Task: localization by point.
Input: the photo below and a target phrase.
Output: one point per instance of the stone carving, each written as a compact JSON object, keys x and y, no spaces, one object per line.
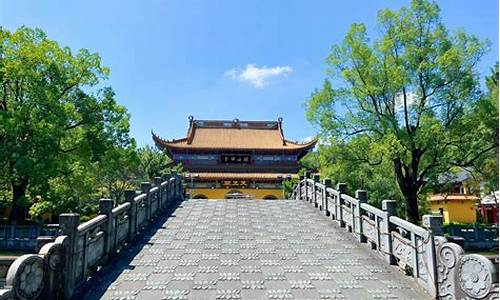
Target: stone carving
{"x":463,"y":276}
{"x":402,"y":251}
{"x":26,"y":276}
{"x":475,"y":275}
{"x":447,"y":257}
{"x":369,"y":229}
{"x":54,"y":253}
{"x":6,"y":295}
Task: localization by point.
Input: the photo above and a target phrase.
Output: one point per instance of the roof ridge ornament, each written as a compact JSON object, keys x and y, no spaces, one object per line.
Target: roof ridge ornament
{"x":190,"y":134}
{"x":236,"y":123}
{"x":280,"y":128}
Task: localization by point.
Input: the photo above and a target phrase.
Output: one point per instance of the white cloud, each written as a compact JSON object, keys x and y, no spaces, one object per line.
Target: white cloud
{"x":258,"y":77}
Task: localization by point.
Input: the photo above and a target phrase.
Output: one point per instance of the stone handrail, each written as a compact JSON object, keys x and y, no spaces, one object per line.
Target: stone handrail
{"x":24,"y":237}
{"x":440,"y":267}
{"x":61,"y":268}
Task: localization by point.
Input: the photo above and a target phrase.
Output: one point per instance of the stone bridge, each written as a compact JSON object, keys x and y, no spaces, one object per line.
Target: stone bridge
{"x":321,"y":244}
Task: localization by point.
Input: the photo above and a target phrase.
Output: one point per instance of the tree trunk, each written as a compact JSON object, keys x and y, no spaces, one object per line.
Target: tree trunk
{"x":18,"y":192}
{"x":412,"y":214}
{"x":405,"y":176}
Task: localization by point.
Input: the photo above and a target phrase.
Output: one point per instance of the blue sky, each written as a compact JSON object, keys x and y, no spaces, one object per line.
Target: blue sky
{"x":229,"y":59}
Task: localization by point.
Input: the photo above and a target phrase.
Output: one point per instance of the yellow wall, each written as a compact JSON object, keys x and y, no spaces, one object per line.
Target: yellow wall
{"x":221,"y":193}
{"x":460,"y":211}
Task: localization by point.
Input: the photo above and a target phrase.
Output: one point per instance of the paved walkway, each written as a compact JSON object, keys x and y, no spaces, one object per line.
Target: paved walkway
{"x":248,"y":249}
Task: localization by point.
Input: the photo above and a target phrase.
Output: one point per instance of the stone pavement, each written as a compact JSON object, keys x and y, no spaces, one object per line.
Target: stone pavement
{"x":251,"y":249}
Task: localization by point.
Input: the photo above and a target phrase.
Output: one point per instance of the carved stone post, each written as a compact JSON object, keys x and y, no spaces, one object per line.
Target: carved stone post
{"x":327,"y":182}
{"x":145,"y":187}
{"x":307,"y":176}
{"x":132,"y":214}
{"x":106,"y":208}
{"x":342,"y":188}
{"x":175,"y":190}
{"x":301,"y":182}
{"x":165,"y":191}
{"x":362,"y":197}
{"x":315,"y":189}
{"x":388,"y":206}
{"x":158,"y":194}
{"x":69,"y":227}
{"x":433,"y":223}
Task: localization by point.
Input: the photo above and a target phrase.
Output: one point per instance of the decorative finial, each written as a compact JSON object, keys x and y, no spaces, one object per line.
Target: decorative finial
{"x":190,"y":118}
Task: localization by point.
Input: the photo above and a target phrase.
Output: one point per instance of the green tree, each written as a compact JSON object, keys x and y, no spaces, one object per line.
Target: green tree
{"x":153,"y":163}
{"x":406,"y":99}
{"x":486,"y":170}
{"x":55,"y":121}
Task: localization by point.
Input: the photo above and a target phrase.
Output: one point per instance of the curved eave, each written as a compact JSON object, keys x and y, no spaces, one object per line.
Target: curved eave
{"x":165,"y":145}
{"x":180,"y":145}
{"x":173,"y":147}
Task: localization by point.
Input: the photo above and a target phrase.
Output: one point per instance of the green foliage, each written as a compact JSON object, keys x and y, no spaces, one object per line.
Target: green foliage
{"x":406,"y":105}
{"x":288,"y":186}
{"x":60,"y":133}
{"x":486,"y":170}
{"x":154,"y":163}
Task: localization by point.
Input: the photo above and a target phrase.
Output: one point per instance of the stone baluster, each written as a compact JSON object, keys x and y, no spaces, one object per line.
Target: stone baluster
{"x":175,"y":185}
{"x":106,"y":208}
{"x":307,"y":176}
{"x":342,"y":189}
{"x":434,"y":224}
{"x":362,"y":197}
{"x":165,"y":191}
{"x":159,"y":194}
{"x":300,"y":184}
{"x":315,"y":189}
{"x":69,"y":227}
{"x":132,"y":214}
{"x":145,"y":187}
{"x":327,"y":182}
{"x":389,"y":207}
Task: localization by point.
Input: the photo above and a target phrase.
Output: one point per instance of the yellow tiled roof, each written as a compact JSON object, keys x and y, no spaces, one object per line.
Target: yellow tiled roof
{"x":244,"y":135}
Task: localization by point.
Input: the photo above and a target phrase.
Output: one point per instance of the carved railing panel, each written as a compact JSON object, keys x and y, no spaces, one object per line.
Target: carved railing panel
{"x":440,"y":267}
{"x":61,"y":268}
{"x":370,"y":231}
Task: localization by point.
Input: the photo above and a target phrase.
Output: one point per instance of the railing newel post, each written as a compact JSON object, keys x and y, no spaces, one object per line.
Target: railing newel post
{"x":69,"y":227}
{"x":159,"y":194}
{"x":327,"y":182}
{"x":300,"y":184}
{"x":342,"y":189}
{"x":315,"y":189}
{"x":132,"y":214}
{"x":362,"y":197}
{"x":389,"y":207}
{"x":307,"y":176}
{"x":434,"y":224}
{"x":145,"y":188}
{"x":106,"y":208}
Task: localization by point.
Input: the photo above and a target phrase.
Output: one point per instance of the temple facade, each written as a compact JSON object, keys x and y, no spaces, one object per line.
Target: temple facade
{"x":233,"y":159}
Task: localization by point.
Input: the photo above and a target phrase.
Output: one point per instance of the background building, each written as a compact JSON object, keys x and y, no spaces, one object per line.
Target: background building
{"x":225,"y":159}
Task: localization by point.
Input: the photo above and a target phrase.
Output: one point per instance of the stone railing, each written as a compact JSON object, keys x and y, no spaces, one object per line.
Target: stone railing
{"x":61,"y":268}
{"x":474,"y":236}
{"x":441,"y":268}
{"x":24,"y":237}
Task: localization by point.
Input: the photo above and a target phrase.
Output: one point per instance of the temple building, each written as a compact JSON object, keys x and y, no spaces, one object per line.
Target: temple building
{"x":233,"y":159}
